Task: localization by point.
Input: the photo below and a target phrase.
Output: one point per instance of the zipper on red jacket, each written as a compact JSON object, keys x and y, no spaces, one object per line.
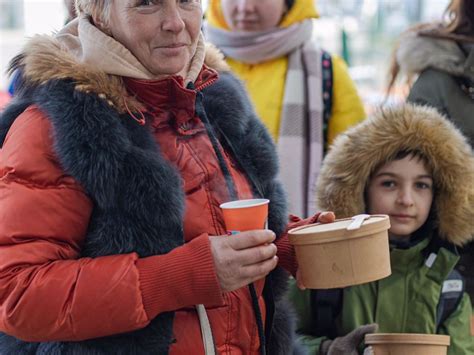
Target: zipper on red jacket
{"x":205,"y":84}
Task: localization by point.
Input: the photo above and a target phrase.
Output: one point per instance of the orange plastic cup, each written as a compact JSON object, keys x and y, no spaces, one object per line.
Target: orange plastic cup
{"x":244,"y":215}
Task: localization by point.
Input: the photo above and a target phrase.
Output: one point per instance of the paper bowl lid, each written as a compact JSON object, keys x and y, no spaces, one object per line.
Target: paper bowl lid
{"x":340,"y":225}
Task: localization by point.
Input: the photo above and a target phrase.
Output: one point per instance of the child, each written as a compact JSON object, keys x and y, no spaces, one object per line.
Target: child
{"x":413,"y":165}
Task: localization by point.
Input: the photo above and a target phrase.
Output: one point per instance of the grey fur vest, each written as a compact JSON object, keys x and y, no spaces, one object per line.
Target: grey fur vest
{"x":119,"y":164}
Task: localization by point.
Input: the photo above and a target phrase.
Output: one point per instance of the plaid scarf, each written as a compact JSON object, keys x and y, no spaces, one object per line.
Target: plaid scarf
{"x":300,"y":143}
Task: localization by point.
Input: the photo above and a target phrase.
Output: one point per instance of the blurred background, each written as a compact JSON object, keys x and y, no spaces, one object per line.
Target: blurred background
{"x":363,"y":32}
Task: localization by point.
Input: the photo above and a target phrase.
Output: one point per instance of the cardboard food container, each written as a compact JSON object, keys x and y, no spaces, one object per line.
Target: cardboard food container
{"x":331,"y":255}
{"x":403,"y":344}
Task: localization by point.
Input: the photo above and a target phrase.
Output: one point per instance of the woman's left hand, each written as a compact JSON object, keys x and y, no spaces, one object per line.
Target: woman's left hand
{"x":324,"y":217}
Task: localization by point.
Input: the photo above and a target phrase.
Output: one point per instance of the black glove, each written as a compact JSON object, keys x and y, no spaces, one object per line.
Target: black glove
{"x":348,"y":344}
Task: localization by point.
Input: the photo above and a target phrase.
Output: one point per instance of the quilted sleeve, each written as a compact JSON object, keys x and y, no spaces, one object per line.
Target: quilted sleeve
{"x":47,"y":292}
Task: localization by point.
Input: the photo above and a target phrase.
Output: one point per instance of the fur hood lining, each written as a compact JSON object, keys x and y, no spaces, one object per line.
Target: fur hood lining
{"x":420,"y":50}
{"x":356,"y":154}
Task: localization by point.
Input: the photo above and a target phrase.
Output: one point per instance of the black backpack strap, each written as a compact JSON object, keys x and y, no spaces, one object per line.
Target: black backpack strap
{"x":451,"y":296}
{"x":326,"y":306}
{"x":328,"y":83}
{"x":453,"y":286}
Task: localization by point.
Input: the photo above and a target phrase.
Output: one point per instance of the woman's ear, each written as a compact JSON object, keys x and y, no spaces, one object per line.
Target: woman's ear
{"x":102,"y":25}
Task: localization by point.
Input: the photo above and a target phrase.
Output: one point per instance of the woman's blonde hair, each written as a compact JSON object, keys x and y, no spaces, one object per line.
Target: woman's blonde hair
{"x":457,"y":24}
{"x":98,"y":10}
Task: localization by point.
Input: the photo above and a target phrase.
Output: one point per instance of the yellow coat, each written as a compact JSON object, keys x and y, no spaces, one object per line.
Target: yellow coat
{"x":267,"y":95}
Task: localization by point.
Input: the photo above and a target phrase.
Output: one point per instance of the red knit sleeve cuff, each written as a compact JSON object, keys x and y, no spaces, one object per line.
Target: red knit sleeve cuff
{"x":286,"y":255}
{"x":286,"y":252}
{"x":184,"y":277}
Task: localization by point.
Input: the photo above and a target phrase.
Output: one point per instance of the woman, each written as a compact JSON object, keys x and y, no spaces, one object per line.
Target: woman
{"x":304,"y":95}
{"x":441,"y":55}
{"x":117,"y":152}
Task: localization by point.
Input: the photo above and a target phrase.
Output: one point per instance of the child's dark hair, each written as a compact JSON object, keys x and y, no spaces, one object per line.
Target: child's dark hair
{"x":402,"y":154}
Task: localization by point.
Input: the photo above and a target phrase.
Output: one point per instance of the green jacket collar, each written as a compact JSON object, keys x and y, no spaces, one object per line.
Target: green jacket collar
{"x":440,"y":262}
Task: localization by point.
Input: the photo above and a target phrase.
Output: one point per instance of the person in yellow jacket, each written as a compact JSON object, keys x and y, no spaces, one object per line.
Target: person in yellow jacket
{"x":303,"y":94}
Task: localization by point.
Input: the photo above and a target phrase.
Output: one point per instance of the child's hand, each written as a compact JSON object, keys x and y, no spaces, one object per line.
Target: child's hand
{"x":349,"y":343}
{"x":324,"y":217}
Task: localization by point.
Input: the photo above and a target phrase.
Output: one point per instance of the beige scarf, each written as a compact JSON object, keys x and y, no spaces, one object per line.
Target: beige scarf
{"x":90,"y":46}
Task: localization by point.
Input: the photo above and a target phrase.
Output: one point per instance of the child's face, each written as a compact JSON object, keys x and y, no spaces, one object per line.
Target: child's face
{"x":402,"y":189}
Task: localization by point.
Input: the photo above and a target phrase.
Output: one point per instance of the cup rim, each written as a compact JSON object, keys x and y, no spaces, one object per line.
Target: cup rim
{"x":237,"y":204}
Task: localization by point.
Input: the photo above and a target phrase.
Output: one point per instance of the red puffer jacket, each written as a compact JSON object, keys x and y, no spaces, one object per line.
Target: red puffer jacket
{"x":47,"y":292}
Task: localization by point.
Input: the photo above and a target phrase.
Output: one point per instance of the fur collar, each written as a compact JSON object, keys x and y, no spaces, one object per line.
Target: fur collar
{"x":356,"y":154}
{"x":417,"y":52}
{"x":44,"y":59}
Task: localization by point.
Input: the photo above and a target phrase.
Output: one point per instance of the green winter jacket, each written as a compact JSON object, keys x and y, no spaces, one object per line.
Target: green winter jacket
{"x":404,"y":302}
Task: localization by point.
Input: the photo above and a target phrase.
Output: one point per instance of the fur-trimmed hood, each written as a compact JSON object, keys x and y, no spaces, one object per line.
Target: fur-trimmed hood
{"x":356,"y":154}
{"x":46,"y":58}
{"x":420,"y":50}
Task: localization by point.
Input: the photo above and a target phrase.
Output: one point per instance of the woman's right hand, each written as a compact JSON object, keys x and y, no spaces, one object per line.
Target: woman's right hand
{"x":243,"y":258}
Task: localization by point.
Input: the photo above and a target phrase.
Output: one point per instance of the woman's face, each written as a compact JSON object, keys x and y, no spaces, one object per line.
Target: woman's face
{"x":403,"y":190}
{"x":253,"y":15}
{"x":161,"y":34}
